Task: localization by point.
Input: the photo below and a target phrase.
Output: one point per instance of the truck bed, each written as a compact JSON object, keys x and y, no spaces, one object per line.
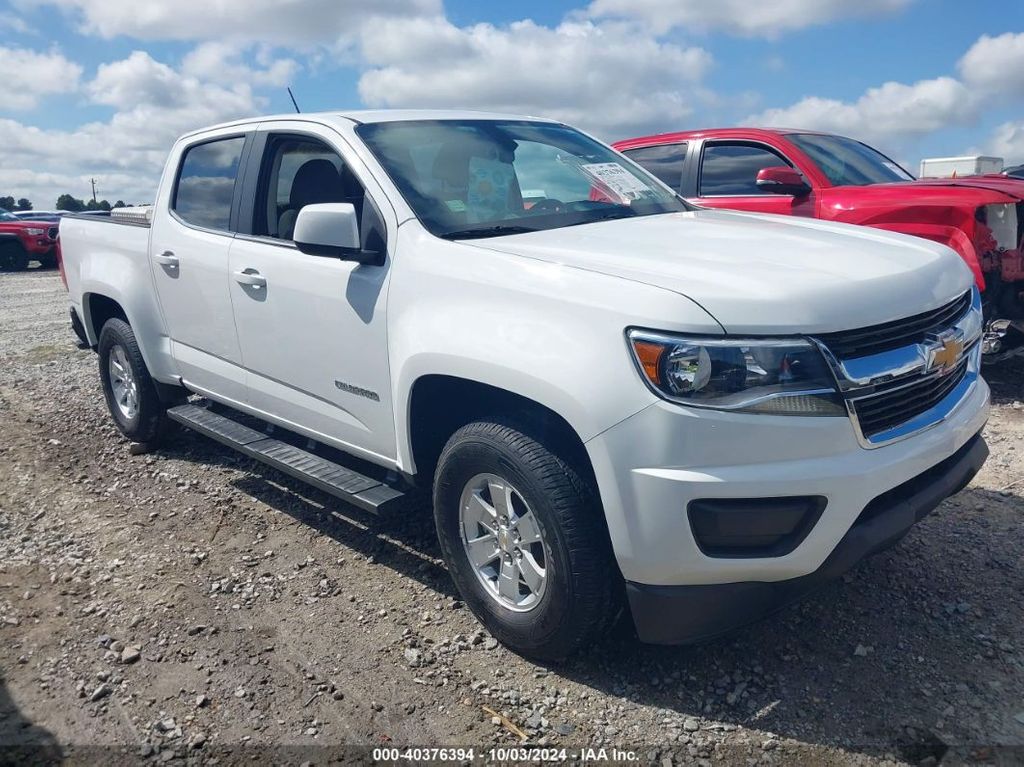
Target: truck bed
{"x":103,"y":250}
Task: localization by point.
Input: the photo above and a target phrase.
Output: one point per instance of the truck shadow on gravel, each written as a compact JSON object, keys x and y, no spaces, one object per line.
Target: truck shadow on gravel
{"x":906,"y":656}
{"x":911,"y":654}
{"x":407,"y":544}
{"x":1006,"y":379}
{"x":21,"y":741}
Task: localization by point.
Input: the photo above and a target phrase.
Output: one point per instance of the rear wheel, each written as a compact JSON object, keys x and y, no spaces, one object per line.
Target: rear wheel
{"x":523,"y":536}
{"x":130,"y":392}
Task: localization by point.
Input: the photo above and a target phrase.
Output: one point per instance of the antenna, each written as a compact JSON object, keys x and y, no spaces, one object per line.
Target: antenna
{"x":294,"y":102}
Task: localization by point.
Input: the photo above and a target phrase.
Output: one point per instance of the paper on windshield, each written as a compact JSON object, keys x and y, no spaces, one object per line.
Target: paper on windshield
{"x":617,"y":179}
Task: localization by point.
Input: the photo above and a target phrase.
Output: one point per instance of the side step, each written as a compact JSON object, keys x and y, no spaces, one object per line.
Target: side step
{"x":365,"y":492}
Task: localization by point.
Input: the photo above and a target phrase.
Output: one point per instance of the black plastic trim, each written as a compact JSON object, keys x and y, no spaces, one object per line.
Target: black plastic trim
{"x":770,"y":527}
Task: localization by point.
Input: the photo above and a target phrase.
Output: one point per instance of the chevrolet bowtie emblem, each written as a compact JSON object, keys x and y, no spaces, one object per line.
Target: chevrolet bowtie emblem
{"x":944,"y":352}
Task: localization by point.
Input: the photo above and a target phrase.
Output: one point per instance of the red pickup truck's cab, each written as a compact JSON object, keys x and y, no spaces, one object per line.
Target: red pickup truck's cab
{"x":804,"y":173}
{"x":22,"y":241}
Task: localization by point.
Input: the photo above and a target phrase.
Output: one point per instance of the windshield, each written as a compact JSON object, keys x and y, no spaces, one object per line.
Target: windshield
{"x":847,"y":162}
{"x":7,"y":216}
{"x":482,"y":178}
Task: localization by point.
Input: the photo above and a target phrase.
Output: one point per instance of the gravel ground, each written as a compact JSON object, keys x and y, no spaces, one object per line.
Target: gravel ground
{"x":190,"y":604}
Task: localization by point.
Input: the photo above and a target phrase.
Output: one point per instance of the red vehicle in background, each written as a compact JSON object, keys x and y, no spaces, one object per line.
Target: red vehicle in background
{"x":22,"y":241}
{"x":820,"y":175}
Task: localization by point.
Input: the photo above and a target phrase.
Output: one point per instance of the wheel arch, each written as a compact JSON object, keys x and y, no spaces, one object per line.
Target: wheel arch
{"x":440,"y":404}
{"x":98,"y":308}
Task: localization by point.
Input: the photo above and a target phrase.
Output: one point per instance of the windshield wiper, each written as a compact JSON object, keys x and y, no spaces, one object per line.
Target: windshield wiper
{"x":610,"y":215}
{"x":487,"y":231}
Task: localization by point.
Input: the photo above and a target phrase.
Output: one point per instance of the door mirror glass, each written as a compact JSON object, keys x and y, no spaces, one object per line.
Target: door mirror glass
{"x":332,"y":229}
{"x":782,"y":180}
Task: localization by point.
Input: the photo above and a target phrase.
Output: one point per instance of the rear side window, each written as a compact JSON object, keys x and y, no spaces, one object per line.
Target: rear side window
{"x":665,"y":161}
{"x":206,"y":183}
{"x":731,"y":169}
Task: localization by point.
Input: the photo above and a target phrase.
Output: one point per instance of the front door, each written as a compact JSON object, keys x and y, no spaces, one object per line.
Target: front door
{"x":312,"y":328}
{"x":189,"y":253}
{"x":727,"y":178}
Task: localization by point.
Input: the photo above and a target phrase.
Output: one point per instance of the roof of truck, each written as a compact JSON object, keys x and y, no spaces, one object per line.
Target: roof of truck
{"x":735,"y":133}
{"x":361,"y":116}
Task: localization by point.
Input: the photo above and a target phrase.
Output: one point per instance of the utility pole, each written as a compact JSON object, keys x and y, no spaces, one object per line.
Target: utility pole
{"x":93,"y":182}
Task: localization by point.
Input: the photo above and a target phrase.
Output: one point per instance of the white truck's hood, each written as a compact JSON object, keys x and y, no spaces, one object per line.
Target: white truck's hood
{"x":762,"y":274}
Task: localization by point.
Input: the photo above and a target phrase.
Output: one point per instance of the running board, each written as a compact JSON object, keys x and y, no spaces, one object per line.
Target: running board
{"x":364,"y":492}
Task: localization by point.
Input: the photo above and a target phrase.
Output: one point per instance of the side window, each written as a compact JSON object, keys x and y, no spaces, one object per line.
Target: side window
{"x":300,"y":171}
{"x":664,"y":161}
{"x":206,"y":183}
{"x":731,"y":169}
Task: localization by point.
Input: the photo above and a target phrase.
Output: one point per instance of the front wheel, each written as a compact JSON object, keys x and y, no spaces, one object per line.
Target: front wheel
{"x":523,"y":536}
{"x":130,"y":392}
{"x":13,"y":258}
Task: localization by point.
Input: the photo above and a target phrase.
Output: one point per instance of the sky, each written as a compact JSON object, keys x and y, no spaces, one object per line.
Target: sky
{"x":99,"y":89}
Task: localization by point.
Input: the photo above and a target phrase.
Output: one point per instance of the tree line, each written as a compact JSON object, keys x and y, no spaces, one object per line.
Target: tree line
{"x":64,"y":202}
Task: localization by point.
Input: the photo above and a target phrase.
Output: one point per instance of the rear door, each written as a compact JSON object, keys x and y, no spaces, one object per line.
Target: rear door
{"x":312,"y":329}
{"x":189,"y":248}
{"x":665,"y":161}
{"x":727,"y":178}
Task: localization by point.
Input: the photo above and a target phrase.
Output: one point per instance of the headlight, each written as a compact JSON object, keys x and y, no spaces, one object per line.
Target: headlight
{"x":32,"y":232}
{"x":782,"y":377}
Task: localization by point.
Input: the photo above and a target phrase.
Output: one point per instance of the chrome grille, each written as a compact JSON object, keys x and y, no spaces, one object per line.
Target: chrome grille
{"x":894,"y":406}
{"x":901,"y":377}
{"x":875,"y":339}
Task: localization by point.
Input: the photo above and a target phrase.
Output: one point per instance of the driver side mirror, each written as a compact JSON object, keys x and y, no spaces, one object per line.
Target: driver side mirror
{"x":331,"y":229}
{"x":782,"y":180}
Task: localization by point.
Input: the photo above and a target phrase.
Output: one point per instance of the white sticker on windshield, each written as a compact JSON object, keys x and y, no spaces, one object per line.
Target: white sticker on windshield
{"x":618,"y":179}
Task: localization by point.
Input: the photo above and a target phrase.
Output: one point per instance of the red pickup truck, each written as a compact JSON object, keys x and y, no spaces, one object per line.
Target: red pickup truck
{"x":805,"y":173}
{"x":21,"y":241}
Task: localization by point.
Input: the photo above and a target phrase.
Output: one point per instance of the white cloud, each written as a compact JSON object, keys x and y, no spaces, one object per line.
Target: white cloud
{"x":991,"y":74}
{"x":294,"y":22}
{"x":1007,"y":141}
{"x":30,"y":75}
{"x":606,"y":77}
{"x":995,"y":64}
{"x":155,"y":104}
{"x":223,"y":62}
{"x":892,"y":112}
{"x":742,"y":17}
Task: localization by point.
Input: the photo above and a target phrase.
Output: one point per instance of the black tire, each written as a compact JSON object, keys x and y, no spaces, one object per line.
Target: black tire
{"x":150,"y":416}
{"x":583,"y":593}
{"x":13,"y":258}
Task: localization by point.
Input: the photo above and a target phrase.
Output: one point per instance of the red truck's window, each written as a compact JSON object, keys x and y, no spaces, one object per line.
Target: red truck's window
{"x":731,"y":169}
{"x":664,"y":160}
{"x":206,"y":183}
{"x":847,"y":162}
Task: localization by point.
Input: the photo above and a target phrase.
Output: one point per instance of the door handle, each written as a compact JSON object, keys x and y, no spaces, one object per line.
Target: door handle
{"x":251,"y":278}
{"x":167,"y":258}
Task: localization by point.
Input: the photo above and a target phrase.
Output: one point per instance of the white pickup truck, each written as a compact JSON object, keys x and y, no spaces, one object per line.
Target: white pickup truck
{"x":616,"y":399}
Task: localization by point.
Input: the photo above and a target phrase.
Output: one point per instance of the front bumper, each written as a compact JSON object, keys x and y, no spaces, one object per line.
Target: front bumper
{"x":652,"y":466}
{"x":38,"y":246}
{"x":687,"y":614}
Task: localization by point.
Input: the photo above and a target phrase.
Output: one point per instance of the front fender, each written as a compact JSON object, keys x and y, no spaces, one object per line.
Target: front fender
{"x":550,"y":333}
